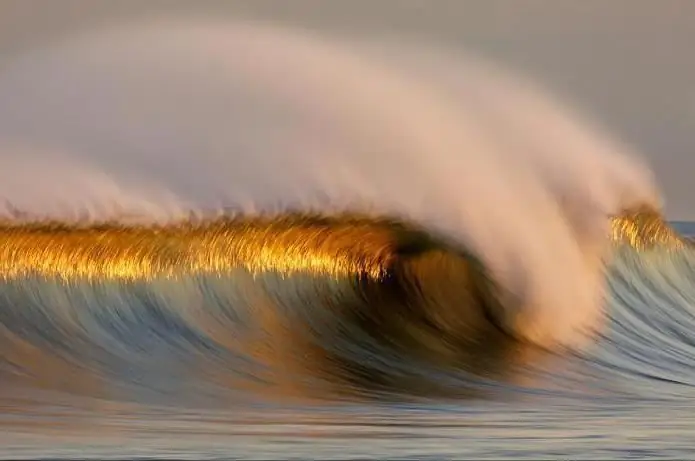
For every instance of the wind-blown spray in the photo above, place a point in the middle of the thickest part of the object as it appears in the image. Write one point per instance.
(151, 124)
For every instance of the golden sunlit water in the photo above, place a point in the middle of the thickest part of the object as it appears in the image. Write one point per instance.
(338, 246)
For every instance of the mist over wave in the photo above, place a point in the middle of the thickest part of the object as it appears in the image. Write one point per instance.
(158, 120)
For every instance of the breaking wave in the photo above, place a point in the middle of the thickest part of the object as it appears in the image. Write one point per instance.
(261, 208)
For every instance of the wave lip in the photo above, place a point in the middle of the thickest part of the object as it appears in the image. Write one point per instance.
(287, 244)
(334, 245)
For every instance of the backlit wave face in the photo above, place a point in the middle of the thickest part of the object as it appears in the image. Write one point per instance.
(157, 122)
(339, 246)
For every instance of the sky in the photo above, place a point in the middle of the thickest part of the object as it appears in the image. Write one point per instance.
(626, 63)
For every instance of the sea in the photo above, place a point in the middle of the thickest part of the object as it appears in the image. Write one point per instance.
(232, 240)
